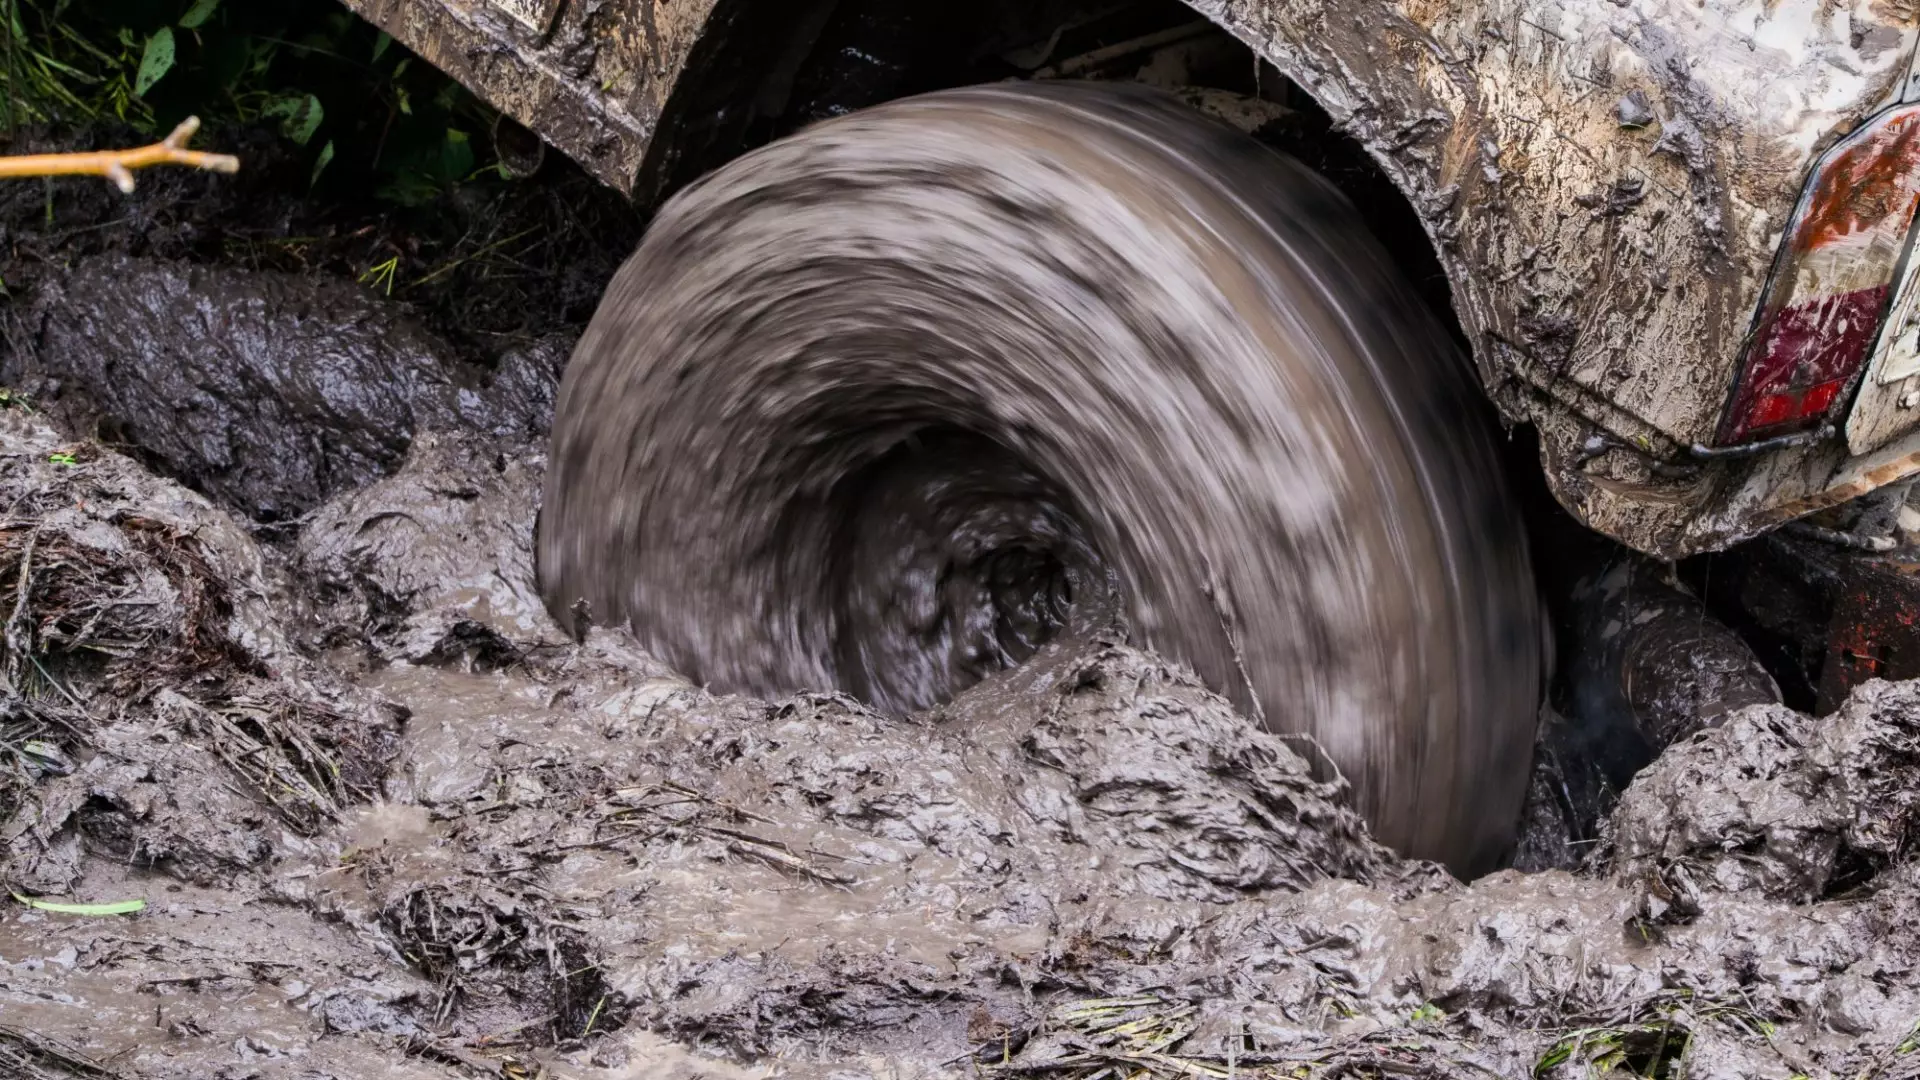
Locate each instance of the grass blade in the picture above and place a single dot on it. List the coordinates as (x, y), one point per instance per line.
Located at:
(118, 907)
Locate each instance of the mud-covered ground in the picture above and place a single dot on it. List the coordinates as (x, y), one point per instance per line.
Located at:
(388, 819)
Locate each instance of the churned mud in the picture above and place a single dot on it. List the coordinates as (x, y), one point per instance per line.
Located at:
(390, 820)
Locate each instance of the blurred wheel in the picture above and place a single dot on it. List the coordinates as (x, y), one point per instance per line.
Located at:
(886, 405)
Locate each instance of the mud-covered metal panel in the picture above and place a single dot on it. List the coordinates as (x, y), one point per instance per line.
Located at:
(591, 77)
(1607, 184)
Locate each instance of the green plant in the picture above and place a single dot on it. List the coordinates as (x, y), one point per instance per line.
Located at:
(54, 70)
(380, 275)
(1654, 1050)
(117, 907)
(363, 113)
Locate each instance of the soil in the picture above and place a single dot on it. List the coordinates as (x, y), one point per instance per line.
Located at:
(390, 819)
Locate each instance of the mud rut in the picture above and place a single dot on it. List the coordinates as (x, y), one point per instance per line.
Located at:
(389, 820)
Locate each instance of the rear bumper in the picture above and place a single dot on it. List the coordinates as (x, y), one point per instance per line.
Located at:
(1675, 509)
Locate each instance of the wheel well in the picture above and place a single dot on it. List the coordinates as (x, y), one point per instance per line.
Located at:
(767, 68)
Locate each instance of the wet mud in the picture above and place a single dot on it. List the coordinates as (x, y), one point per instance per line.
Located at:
(553, 853)
(267, 391)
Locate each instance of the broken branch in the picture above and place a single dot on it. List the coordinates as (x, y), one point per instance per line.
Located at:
(118, 165)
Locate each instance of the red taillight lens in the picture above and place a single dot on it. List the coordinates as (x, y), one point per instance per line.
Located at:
(1817, 401)
(1774, 410)
(1830, 285)
(1781, 408)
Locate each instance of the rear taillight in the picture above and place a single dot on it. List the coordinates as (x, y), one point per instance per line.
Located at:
(1828, 293)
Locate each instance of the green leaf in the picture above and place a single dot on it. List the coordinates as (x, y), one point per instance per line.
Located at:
(200, 12)
(320, 164)
(409, 187)
(120, 907)
(381, 44)
(456, 156)
(299, 115)
(155, 61)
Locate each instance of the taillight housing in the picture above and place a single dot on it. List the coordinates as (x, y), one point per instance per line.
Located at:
(1845, 247)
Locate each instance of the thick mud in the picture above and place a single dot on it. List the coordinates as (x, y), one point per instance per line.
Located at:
(267, 391)
(460, 844)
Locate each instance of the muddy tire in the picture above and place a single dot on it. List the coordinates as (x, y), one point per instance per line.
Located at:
(887, 404)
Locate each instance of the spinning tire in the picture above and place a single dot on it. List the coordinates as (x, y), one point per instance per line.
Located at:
(886, 404)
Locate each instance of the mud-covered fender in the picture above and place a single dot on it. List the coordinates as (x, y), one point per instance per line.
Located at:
(1606, 184)
(592, 78)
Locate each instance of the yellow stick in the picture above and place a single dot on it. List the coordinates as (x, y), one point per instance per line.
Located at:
(118, 165)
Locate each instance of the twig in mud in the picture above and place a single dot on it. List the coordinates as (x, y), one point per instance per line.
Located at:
(272, 746)
(472, 943)
(17, 643)
(1140, 1038)
(1319, 752)
(118, 165)
(775, 854)
(1210, 588)
(632, 802)
(434, 1049)
(687, 795)
(612, 843)
(31, 1056)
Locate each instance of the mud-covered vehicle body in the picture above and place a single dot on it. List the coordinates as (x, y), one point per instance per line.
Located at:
(1675, 233)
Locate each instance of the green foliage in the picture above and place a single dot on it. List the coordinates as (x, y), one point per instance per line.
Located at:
(320, 163)
(355, 107)
(49, 70)
(198, 13)
(300, 116)
(155, 60)
(1654, 1050)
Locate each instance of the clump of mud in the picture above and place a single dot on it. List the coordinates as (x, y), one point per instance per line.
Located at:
(1778, 804)
(154, 709)
(434, 563)
(267, 391)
